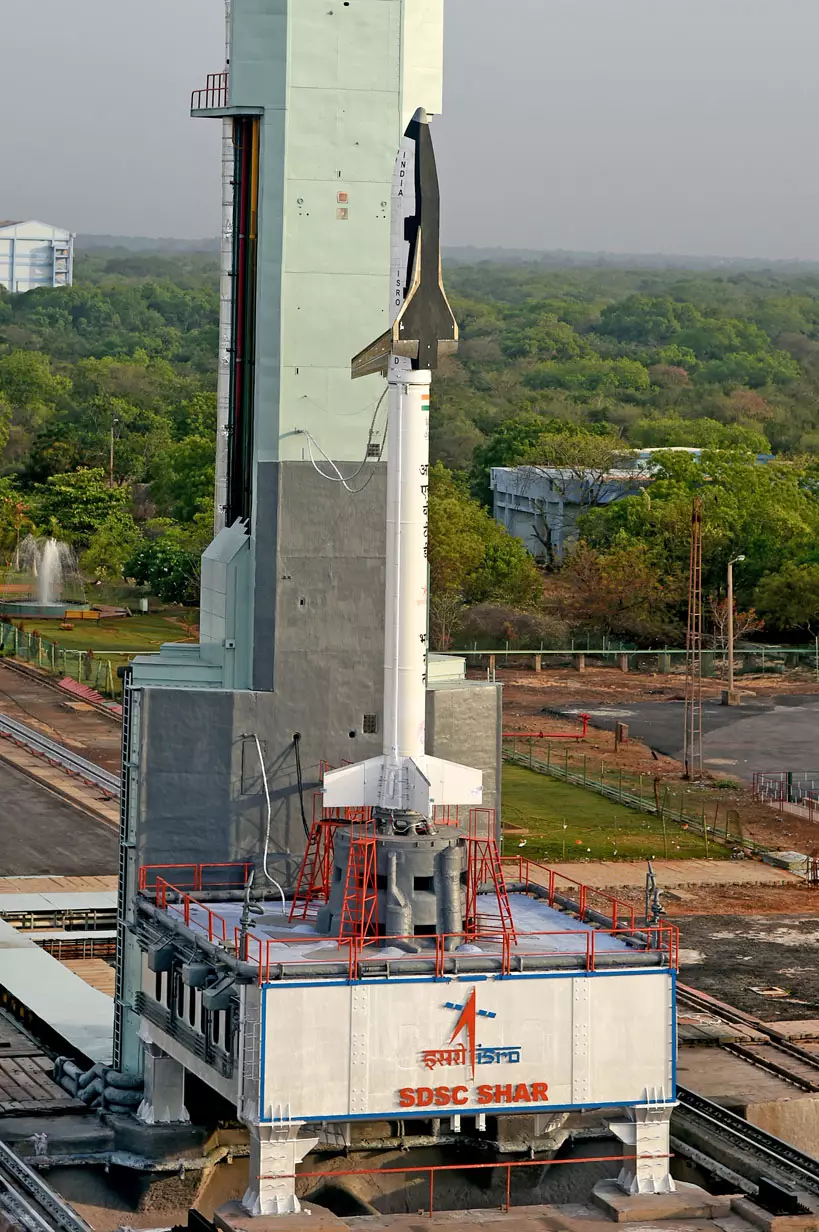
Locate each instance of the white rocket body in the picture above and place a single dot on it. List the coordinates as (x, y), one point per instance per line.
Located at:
(404, 777)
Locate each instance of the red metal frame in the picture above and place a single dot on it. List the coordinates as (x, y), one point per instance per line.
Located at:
(483, 865)
(316, 871)
(194, 877)
(215, 93)
(359, 906)
(432, 1169)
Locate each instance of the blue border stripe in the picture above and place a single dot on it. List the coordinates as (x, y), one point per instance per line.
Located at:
(263, 1047)
(469, 979)
(402, 1114)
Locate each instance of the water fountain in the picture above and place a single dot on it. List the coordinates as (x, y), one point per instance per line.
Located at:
(43, 580)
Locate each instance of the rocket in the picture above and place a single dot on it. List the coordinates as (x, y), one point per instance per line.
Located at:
(422, 329)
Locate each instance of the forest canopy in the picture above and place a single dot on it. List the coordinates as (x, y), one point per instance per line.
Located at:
(557, 366)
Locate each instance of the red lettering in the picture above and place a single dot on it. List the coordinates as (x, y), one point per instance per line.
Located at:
(460, 1095)
(503, 1094)
(442, 1097)
(406, 1097)
(522, 1095)
(540, 1092)
(424, 1096)
(485, 1094)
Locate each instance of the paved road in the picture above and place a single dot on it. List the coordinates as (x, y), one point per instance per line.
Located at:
(779, 733)
(40, 834)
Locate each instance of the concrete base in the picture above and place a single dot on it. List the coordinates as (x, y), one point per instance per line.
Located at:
(686, 1202)
(232, 1217)
(731, 697)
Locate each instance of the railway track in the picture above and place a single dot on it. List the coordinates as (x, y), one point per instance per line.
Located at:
(745, 1150)
(29, 1203)
(58, 755)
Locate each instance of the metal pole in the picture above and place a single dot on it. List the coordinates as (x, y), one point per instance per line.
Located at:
(730, 626)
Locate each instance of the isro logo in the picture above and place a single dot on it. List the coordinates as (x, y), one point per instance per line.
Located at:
(468, 1050)
(464, 1049)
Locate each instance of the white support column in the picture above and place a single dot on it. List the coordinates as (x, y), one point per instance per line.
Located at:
(164, 1099)
(275, 1151)
(647, 1133)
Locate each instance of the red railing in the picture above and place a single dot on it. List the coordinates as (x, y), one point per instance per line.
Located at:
(231, 875)
(195, 915)
(431, 1170)
(360, 959)
(215, 93)
(539, 876)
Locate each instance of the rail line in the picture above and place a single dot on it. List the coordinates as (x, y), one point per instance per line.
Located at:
(793, 1166)
(705, 1003)
(30, 1202)
(58, 755)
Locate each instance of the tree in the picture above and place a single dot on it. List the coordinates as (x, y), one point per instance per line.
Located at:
(744, 622)
(73, 507)
(111, 546)
(471, 558)
(184, 477)
(620, 593)
(789, 598)
(167, 567)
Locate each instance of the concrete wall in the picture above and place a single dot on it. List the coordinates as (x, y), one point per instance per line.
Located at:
(464, 724)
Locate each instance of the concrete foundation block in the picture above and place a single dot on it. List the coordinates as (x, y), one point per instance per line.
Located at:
(686, 1202)
(731, 697)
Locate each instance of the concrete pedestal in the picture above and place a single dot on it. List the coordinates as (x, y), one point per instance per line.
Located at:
(731, 697)
(686, 1202)
(275, 1150)
(646, 1136)
(164, 1101)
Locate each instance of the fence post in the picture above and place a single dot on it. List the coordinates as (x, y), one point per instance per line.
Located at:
(584, 769)
(621, 786)
(665, 827)
(566, 770)
(548, 753)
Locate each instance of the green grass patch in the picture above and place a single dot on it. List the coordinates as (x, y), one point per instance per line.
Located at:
(140, 632)
(560, 821)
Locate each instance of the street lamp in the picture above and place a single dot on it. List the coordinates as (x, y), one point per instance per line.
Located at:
(728, 699)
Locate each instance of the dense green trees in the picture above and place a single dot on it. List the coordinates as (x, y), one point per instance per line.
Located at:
(557, 367)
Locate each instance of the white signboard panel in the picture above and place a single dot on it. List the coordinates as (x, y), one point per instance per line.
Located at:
(422, 1047)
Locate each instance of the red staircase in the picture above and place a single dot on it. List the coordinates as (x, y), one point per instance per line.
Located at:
(360, 904)
(483, 868)
(316, 872)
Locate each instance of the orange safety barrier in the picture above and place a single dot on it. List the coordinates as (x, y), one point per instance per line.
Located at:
(431, 1170)
(585, 895)
(361, 956)
(194, 877)
(191, 911)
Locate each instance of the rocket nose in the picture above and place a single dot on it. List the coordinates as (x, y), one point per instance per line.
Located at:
(420, 117)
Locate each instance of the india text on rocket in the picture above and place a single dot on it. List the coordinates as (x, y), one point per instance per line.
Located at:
(404, 778)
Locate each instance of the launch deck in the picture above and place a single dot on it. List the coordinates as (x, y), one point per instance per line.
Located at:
(558, 924)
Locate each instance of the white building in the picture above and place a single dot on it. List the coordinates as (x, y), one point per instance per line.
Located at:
(35, 254)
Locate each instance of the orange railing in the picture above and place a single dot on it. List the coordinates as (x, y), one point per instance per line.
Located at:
(230, 875)
(588, 898)
(431, 1171)
(196, 915)
(360, 957)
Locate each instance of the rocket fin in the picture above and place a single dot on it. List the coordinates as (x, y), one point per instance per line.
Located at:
(402, 783)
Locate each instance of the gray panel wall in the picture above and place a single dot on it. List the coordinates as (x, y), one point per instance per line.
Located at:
(464, 725)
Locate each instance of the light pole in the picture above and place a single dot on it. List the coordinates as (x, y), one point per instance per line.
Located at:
(729, 698)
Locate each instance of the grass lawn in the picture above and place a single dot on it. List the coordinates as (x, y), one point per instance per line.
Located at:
(537, 807)
(140, 632)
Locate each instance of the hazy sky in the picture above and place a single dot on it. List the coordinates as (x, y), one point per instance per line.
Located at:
(625, 125)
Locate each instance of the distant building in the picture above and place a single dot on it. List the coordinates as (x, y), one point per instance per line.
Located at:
(541, 505)
(35, 254)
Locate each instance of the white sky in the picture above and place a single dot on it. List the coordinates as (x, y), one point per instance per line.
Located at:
(620, 125)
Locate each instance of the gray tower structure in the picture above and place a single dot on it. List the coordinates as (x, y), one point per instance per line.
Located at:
(224, 740)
